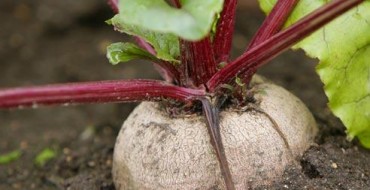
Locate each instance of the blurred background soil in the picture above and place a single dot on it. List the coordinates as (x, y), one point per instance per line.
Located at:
(43, 41)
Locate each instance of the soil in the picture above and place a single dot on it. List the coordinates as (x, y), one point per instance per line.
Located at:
(45, 41)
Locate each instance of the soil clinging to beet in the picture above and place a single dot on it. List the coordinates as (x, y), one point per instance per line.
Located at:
(36, 50)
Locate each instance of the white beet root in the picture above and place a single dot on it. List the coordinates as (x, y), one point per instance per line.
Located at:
(154, 151)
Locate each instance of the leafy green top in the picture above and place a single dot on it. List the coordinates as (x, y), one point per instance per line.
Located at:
(122, 52)
(343, 48)
(160, 24)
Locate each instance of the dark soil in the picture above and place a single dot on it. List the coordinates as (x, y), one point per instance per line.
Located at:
(44, 41)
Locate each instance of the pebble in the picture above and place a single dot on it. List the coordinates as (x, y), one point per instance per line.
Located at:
(334, 165)
(66, 151)
(69, 158)
(91, 163)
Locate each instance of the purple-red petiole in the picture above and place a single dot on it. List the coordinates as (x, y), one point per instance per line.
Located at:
(96, 92)
(224, 33)
(275, 45)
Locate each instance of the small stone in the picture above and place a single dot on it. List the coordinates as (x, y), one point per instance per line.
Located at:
(91, 163)
(66, 151)
(334, 165)
(69, 158)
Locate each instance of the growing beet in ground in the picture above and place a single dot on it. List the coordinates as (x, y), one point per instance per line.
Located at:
(182, 94)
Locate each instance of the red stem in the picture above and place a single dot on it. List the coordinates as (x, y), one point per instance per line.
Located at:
(113, 5)
(95, 92)
(184, 67)
(176, 3)
(166, 69)
(272, 47)
(224, 33)
(145, 45)
(273, 22)
(199, 58)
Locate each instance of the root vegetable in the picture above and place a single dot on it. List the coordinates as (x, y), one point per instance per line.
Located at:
(154, 151)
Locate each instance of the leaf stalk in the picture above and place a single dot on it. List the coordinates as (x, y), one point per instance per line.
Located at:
(96, 92)
(261, 54)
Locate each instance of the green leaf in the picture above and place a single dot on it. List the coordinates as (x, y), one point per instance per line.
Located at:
(44, 156)
(160, 24)
(343, 48)
(10, 157)
(166, 46)
(123, 52)
(192, 22)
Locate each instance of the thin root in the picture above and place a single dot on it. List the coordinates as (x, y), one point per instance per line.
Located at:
(256, 108)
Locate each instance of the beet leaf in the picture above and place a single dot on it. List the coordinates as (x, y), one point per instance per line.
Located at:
(122, 52)
(166, 46)
(192, 21)
(343, 48)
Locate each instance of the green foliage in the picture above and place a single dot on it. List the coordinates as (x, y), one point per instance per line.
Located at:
(122, 52)
(10, 157)
(44, 156)
(192, 22)
(343, 48)
(160, 25)
(165, 45)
